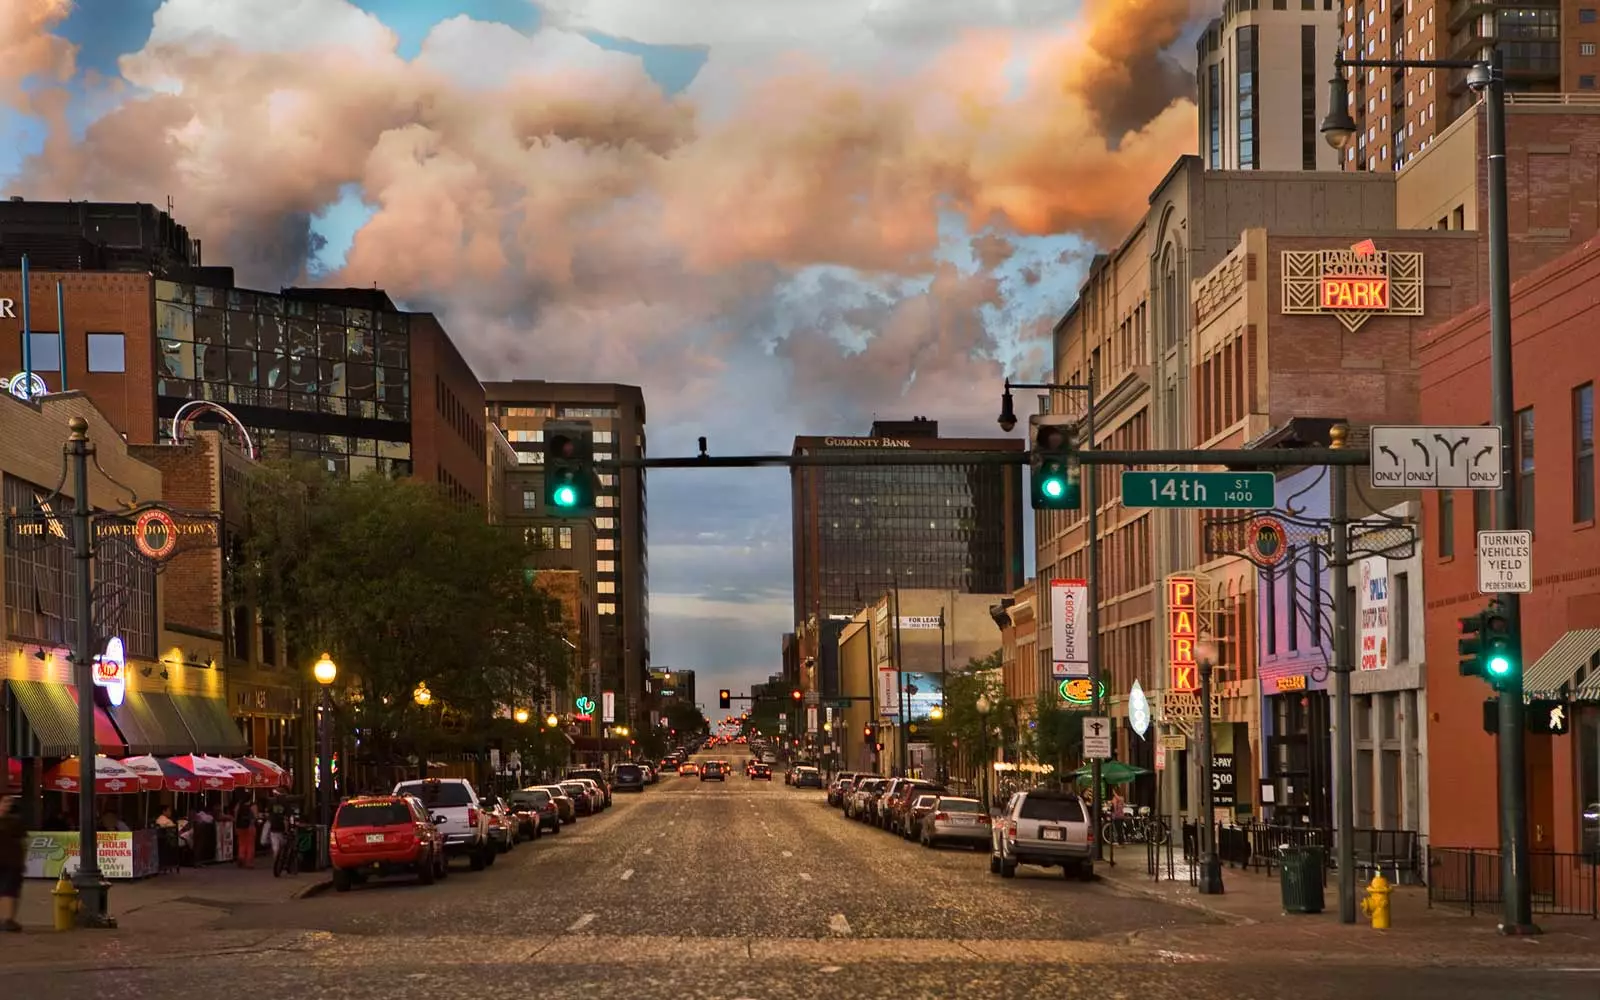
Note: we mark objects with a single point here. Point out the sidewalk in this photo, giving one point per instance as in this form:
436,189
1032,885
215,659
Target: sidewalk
1254,899
190,898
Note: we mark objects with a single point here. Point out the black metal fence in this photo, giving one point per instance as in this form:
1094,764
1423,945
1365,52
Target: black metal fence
1260,847
1564,885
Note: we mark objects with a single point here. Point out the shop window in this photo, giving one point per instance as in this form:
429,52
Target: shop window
44,352
1583,453
1589,777
1446,526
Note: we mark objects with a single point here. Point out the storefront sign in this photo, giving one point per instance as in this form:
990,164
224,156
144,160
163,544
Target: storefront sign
120,855
608,706
868,442
1374,611
923,622
1185,705
1293,682
25,385
110,671
8,308
585,706
1183,631
1222,779
1352,285
1138,709
1069,605
1078,691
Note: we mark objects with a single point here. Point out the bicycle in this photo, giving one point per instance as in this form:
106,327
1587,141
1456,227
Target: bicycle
302,839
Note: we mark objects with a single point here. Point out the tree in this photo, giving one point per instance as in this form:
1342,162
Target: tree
961,731
403,586
1057,735
687,719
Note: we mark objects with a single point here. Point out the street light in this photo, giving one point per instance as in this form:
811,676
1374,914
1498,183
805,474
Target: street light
936,713
552,721
326,672
983,726
1486,76
521,715
422,696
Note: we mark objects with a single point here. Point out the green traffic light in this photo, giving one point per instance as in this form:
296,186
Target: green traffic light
1054,488
566,496
1499,665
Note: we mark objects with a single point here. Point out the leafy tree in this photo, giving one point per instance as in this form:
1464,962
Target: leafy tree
685,718
1057,735
961,732
403,586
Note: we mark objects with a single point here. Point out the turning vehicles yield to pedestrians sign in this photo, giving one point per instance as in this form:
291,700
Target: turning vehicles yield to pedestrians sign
1096,737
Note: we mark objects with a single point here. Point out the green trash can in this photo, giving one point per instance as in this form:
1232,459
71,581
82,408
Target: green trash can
1300,877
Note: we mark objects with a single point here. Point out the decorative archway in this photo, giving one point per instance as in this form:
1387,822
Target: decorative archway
194,409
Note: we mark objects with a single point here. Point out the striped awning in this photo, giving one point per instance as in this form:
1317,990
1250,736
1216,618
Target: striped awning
151,724
1564,670
208,721
43,722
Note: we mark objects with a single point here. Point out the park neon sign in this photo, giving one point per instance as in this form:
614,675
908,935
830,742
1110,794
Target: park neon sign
1364,293
1183,631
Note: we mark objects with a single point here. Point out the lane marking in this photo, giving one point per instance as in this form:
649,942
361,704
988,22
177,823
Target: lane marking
649,850
788,854
805,876
837,924
627,875
582,922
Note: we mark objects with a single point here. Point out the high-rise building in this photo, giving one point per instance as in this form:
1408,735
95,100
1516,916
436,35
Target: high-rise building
1285,49
861,529
611,548
1548,48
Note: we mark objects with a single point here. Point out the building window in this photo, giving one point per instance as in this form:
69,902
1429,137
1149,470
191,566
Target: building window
1309,134
1583,453
1525,469
1585,48
1272,612
1586,15
1446,540
41,574
1314,603
605,566
605,608
547,537
602,437
1586,82
566,537
1245,62
1214,116
1291,568
605,587
605,544
1400,618
530,499
45,352
106,353
605,524
605,500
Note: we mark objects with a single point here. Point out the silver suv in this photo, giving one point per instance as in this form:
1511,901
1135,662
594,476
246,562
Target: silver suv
1043,827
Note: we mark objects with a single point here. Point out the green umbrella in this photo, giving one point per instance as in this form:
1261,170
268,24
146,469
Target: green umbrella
1112,772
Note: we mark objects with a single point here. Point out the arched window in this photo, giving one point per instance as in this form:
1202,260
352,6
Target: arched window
1169,298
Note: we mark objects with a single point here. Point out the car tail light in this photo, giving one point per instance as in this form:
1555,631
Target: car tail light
940,817
472,816
983,819
1011,829
1089,836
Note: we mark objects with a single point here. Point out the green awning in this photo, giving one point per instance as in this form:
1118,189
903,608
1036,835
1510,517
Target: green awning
208,721
150,722
44,722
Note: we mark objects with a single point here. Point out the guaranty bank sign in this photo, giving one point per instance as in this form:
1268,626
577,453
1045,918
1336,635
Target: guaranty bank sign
868,442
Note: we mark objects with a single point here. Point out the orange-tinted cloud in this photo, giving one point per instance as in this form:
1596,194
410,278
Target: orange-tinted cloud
29,49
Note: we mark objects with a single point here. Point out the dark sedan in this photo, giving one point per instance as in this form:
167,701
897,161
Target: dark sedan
628,778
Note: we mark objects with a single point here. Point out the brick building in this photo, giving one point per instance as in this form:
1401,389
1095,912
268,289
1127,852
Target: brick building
1556,367
175,698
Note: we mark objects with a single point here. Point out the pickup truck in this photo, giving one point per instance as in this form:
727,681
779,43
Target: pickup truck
462,818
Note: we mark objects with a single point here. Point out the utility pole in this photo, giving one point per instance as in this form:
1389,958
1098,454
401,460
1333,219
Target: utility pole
1091,495
1344,738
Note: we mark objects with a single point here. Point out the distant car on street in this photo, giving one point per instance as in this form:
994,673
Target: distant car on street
807,777
714,770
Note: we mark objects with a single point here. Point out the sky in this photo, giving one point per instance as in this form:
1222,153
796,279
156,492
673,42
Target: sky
778,217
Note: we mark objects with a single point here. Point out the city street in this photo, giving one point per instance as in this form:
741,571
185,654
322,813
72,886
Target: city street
757,890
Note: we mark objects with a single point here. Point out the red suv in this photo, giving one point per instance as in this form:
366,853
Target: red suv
383,835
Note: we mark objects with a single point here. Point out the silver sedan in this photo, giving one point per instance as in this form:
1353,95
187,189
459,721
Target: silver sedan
956,821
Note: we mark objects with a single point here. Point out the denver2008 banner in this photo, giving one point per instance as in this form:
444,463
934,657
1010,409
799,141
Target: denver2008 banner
121,855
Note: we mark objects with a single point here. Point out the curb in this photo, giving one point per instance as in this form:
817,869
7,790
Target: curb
1130,887
314,889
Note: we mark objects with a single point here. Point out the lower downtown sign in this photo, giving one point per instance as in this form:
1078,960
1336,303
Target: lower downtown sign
155,531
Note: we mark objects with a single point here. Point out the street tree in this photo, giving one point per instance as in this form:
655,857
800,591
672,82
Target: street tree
687,719
404,586
961,731
1057,735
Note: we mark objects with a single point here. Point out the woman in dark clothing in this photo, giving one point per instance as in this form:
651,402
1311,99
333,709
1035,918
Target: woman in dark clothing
13,849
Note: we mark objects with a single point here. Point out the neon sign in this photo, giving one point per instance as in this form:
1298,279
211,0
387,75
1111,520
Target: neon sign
1138,709
585,706
1077,691
25,385
111,671
1182,633
194,409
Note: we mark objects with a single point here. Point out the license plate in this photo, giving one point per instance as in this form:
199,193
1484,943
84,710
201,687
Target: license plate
1051,833
374,838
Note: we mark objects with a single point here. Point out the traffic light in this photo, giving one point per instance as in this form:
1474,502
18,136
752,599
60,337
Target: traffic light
1485,649
570,481
797,694
724,698
866,732
1054,479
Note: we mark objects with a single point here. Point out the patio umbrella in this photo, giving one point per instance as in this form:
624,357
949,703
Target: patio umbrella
110,777
213,776
159,772
243,777
268,774
1112,772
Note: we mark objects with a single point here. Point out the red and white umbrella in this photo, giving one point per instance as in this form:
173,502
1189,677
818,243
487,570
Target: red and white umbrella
268,774
243,777
212,775
156,773
110,777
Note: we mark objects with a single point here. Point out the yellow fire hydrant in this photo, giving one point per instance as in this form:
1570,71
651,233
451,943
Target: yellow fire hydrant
66,903
1376,904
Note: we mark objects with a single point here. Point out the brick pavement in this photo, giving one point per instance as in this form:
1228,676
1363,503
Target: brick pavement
192,897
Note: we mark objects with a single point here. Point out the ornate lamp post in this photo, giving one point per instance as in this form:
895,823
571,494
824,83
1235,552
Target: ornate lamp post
983,725
423,698
326,672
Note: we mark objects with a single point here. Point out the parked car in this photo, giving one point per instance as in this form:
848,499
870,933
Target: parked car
954,820
897,807
628,778
714,770
502,825
837,786
1046,828
566,808
807,777
921,806
595,775
458,813
536,811
583,800
383,835
859,804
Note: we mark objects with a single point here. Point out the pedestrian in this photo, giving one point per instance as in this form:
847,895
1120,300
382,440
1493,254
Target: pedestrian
277,825
1119,811
244,828
13,849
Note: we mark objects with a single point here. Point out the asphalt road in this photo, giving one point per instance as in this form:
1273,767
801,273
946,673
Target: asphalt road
743,890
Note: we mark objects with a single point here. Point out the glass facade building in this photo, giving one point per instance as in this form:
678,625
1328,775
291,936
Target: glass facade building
308,378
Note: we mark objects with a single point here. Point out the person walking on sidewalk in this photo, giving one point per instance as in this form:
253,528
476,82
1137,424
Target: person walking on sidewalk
244,826
13,849
277,825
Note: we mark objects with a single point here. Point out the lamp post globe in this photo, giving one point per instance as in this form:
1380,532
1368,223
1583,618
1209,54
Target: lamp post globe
1338,128
422,696
325,670
521,715
983,704
551,720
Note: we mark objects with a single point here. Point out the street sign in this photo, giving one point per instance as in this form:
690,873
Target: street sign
812,697
1174,741
1436,458
1236,490
1222,779
1505,562
1096,737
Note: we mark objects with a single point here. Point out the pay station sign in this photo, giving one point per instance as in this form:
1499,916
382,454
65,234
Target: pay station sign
1505,562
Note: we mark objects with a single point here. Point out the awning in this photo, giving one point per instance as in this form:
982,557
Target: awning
1564,670
210,724
44,722
150,722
